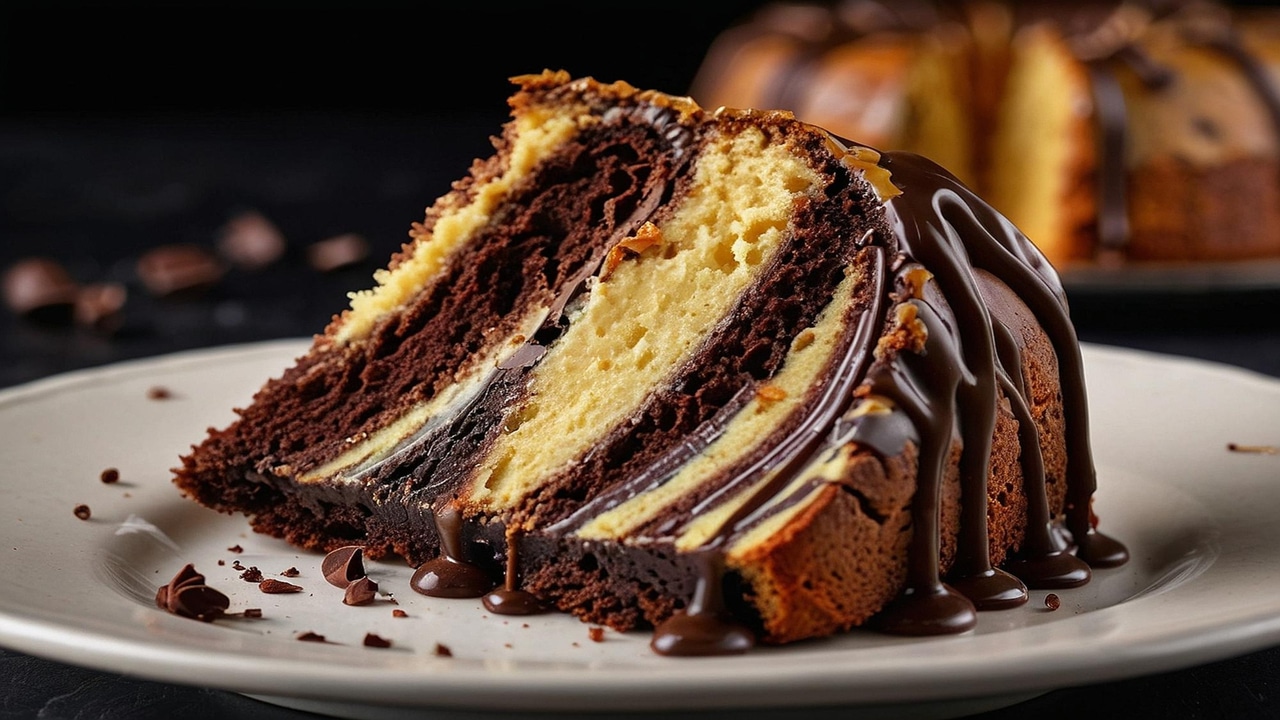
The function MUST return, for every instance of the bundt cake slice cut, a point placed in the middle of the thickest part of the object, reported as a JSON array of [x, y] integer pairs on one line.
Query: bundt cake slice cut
[[719, 373]]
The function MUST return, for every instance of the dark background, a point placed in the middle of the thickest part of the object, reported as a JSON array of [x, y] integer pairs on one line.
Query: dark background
[[127, 126]]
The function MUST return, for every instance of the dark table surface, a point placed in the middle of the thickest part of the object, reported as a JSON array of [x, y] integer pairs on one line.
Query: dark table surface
[[95, 182]]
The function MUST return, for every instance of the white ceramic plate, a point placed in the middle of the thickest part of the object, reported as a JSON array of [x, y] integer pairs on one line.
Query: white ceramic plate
[[1203, 584]]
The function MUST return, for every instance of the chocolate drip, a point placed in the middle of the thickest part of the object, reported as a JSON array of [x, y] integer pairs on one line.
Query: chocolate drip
[[995, 245], [450, 575], [943, 253], [924, 386], [705, 627], [1041, 562], [1111, 118], [510, 599]]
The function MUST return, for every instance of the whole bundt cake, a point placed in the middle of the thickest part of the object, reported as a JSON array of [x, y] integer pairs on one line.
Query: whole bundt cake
[[1112, 133]]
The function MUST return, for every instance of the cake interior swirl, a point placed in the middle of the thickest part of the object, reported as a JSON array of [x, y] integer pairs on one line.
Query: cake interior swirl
[[723, 375]]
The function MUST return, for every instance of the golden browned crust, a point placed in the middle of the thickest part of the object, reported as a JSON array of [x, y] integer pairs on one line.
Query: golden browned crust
[[1227, 212], [839, 562]]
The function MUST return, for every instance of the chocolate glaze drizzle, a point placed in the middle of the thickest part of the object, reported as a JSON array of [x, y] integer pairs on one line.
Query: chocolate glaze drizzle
[[942, 387], [948, 386], [451, 575], [510, 599], [705, 627]]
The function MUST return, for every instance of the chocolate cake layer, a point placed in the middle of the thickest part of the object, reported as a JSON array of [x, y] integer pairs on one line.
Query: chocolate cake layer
[[722, 374]]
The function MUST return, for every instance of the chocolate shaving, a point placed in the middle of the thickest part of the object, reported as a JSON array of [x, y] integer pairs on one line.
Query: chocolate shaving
[[443, 650], [82, 511], [1052, 601], [100, 307], [158, 392], [235, 549], [250, 241], [110, 476], [343, 566], [398, 613], [361, 592], [187, 595], [272, 586], [337, 252], [252, 612], [309, 636], [40, 289], [178, 270]]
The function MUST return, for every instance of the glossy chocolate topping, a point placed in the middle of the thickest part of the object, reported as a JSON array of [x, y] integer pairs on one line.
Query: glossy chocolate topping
[[948, 384], [957, 361], [451, 575]]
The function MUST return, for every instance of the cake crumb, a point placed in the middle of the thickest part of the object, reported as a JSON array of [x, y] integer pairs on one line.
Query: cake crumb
[[275, 587], [1258, 449], [110, 476], [222, 562], [253, 574], [768, 394], [398, 613], [646, 237], [159, 392], [82, 511], [803, 340], [1052, 601], [596, 633], [253, 612], [309, 636], [291, 572], [443, 650], [375, 641], [235, 549]]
